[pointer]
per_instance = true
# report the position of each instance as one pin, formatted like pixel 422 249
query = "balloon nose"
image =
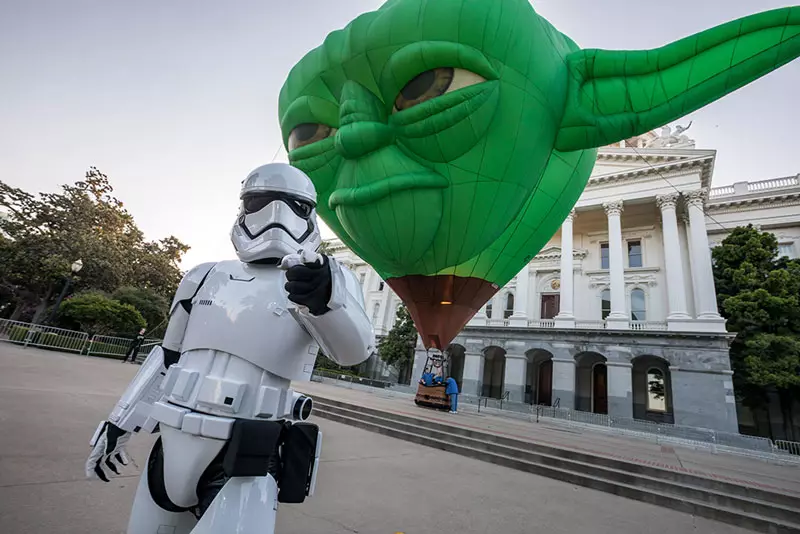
pixel 362 122
pixel 361 138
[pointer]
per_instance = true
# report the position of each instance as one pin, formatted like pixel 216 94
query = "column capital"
pixel 613 208
pixel 571 216
pixel 696 198
pixel 668 201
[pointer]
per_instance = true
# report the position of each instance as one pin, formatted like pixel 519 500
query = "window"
pixel 380 286
pixel 638 312
pixel 786 249
pixel 605 306
pixel 634 253
pixel 604 255
pixel 656 391
pixel 376 309
pixel 509 311
pixel 361 278
pixel 489 310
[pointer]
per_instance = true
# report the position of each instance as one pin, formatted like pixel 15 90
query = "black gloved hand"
pixel 310 285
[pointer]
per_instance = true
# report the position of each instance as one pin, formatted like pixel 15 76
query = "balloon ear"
pixel 615 95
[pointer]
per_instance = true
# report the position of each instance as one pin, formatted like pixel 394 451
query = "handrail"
pixel 557 403
pixel 503 397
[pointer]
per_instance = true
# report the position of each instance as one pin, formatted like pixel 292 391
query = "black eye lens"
pixel 304 208
pixel 256 203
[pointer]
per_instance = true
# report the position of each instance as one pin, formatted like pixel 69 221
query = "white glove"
pixel 108 451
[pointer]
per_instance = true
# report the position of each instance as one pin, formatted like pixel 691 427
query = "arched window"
pixel 638 312
pixel 489 310
pixel 605 303
pixel 509 311
pixel 656 390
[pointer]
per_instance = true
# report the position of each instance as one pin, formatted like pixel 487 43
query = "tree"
pixel 759 295
pixel 153 307
pixel 397 348
pixel 96 313
pixel 42 235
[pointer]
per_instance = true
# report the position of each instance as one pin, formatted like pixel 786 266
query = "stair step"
pixel 749 513
pixel 698 481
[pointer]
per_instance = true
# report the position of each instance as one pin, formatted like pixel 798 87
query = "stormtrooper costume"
pixel 233 441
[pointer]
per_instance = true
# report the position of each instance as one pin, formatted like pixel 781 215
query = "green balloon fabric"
pixel 449 139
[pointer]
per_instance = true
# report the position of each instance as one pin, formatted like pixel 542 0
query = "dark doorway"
pixel 600 388
pixel 551 305
pixel 545 390
pixel 494 370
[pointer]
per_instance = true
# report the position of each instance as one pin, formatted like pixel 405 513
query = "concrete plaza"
pixel 50 404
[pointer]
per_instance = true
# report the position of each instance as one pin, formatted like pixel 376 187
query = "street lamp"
pixel 77 265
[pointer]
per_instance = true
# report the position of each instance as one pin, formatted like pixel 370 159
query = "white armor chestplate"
pixel 242 347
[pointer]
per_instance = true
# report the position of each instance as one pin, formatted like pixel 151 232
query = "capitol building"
pixel 617 314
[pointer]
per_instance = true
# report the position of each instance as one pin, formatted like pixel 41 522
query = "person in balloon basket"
pixel 233 442
pixel 451 390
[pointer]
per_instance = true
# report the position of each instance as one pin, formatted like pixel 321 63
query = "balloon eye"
pixel 433 83
pixel 305 134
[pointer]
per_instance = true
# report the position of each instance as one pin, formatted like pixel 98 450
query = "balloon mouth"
pixel 366 194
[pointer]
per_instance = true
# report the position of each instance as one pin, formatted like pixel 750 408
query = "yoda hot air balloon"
pixel 449 139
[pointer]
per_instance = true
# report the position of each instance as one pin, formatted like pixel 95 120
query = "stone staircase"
pixel 736 504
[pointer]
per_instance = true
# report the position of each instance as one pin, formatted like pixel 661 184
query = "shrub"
pixel 153 307
pixel 95 313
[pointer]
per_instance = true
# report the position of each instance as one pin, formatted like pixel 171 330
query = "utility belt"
pixel 289 451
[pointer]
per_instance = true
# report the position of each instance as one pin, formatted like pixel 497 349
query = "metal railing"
pixel 790 447
pixel 50 337
pixel 108 346
pixel 37 335
pixel 319 374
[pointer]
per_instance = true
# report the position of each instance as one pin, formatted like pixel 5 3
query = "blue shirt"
pixel 452 387
pixel 427 378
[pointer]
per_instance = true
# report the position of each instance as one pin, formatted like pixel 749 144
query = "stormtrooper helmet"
pixel 277 215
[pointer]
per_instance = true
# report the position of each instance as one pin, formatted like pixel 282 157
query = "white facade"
pixel 641 207
pixel 622 295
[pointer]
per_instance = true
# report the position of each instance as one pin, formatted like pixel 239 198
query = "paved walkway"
pixel 733 468
pixel 50 404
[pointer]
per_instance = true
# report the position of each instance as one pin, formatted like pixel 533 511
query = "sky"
pixel 177 101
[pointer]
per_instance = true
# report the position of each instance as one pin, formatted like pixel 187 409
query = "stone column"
pixel 704 398
pixel 690 256
pixel 564 381
pixel 473 373
pixel 618 319
pixel 702 274
pixel 566 313
pixel 514 381
pixel 620 389
pixel 520 317
pixel 676 290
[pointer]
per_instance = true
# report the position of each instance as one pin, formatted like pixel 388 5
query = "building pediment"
pixel 553 253
pixel 629 164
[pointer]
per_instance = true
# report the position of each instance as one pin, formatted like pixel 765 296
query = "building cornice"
pixel 734 205
pixel 666 164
